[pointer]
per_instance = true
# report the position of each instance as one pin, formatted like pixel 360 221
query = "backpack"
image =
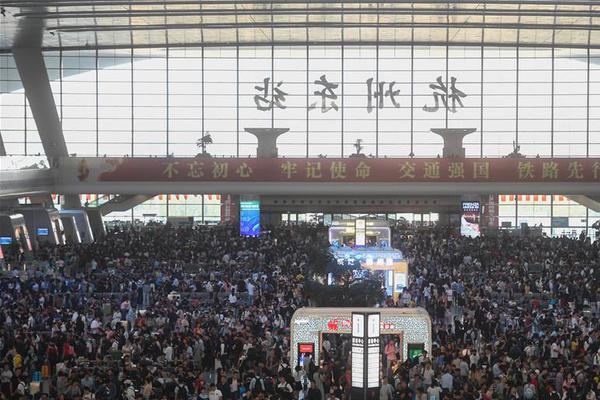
pixel 181 392
pixel 258 387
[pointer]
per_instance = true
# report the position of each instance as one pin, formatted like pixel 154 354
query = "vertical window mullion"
pixel 25 125
pixel 60 84
pixel 412 80
pixel 412 98
pixel 168 136
pixel 97 119
pixel 342 101
pixel 132 107
pixel 377 83
pixel 237 97
pixel 202 88
pixel 517 97
pixel 481 84
pixel 552 109
pixel 587 129
pixel 307 77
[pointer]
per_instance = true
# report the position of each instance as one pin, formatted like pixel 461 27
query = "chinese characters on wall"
pixel 272 95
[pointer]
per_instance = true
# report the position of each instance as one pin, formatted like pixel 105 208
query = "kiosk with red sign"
pixel 411 325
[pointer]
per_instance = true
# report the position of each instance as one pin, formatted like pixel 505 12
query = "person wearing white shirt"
pixel 434 392
pixel 95 326
pixel 284 389
pixel 168 352
pixel 428 375
pixel 214 393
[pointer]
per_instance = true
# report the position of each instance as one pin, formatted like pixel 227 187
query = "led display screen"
pixel 415 350
pixel 250 218
pixel 469 221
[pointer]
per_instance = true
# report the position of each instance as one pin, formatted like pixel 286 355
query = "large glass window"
pixel 220 100
pixel 12 107
pixel 78 106
pixel 394 120
pixel 149 102
pixel 161 101
pixel 594 111
pixel 570 103
pixel 428 111
pixel 289 66
pixel 556 215
pixel 202 208
pixel 325 135
pixel 499 102
pixel 115 103
pixel 185 100
pixel 535 102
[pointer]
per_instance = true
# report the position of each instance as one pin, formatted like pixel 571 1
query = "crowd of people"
pixel 160 312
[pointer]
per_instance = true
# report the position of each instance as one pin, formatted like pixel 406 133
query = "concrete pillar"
pixel 6 204
pixel 453 140
pixel 270 218
pixel 444 218
pixel 34 76
pixel 2 148
pixel 267 140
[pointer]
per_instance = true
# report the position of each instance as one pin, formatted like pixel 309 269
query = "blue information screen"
pixel 250 218
pixel 5 240
pixel 42 231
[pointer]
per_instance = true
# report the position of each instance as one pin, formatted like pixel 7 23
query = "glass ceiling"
pixel 149 23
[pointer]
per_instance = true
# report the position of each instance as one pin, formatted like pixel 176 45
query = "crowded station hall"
pixel 287 200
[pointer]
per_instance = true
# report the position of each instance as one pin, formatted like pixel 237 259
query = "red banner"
pixel 348 170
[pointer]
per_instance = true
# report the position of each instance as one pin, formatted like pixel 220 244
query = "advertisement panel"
pixel 365 351
pixel 250 218
pixel 358 350
pixel 306 352
pixel 373 325
pixel 469 221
